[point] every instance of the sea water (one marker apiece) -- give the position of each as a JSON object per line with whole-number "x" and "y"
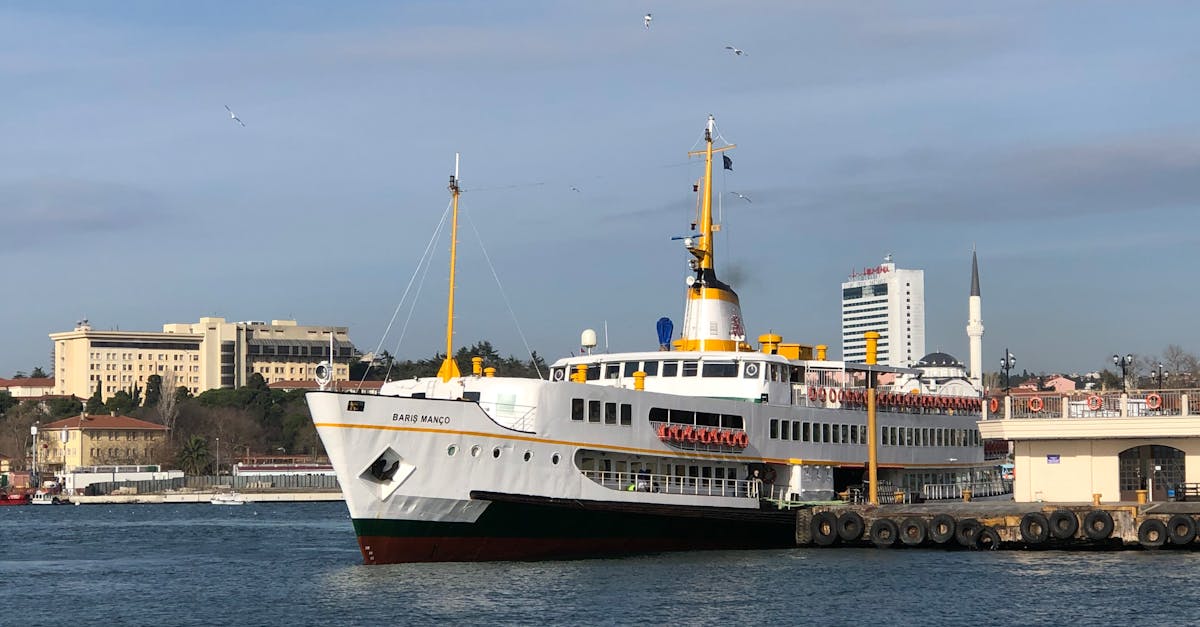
{"x": 298, "y": 564}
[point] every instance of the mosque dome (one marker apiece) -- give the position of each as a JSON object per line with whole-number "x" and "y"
{"x": 939, "y": 360}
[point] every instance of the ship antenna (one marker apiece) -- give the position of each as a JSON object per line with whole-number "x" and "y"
{"x": 703, "y": 249}
{"x": 449, "y": 368}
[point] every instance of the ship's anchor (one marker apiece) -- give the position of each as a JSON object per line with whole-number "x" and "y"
{"x": 381, "y": 471}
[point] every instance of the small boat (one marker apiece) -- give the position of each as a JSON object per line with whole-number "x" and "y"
{"x": 14, "y": 499}
{"x": 49, "y": 498}
{"x": 228, "y": 498}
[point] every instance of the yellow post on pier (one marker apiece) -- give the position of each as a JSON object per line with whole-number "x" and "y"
{"x": 872, "y": 338}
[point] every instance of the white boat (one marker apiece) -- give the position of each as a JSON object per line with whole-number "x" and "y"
{"x": 48, "y": 498}
{"x": 228, "y": 498}
{"x": 703, "y": 443}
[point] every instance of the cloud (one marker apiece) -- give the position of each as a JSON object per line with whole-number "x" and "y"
{"x": 1069, "y": 180}
{"x": 49, "y": 209}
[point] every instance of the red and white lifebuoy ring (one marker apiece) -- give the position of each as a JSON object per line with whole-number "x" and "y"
{"x": 994, "y": 405}
{"x": 1153, "y": 400}
{"x": 1036, "y": 404}
{"x": 1094, "y": 403}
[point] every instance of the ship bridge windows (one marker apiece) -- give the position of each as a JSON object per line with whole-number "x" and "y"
{"x": 650, "y": 368}
{"x": 691, "y": 368}
{"x": 670, "y": 369}
{"x": 612, "y": 371}
{"x": 719, "y": 369}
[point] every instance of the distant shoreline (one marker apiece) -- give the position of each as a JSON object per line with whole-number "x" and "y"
{"x": 205, "y": 497}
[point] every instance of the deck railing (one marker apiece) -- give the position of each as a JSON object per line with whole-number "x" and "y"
{"x": 887, "y": 400}
{"x": 1086, "y": 404}
{"x": 673, "y": 484}
{"x": 948, "y": 491}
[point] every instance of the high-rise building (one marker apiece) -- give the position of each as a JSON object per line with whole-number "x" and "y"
{"x": 891, "y": 302}
{"x": 211, "y": 353}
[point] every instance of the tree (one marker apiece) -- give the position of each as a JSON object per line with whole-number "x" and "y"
{"x": 6, "y": 401}
{"x": 153, "y": 390}
{"x": 193, "y": 455}
{"x": 167, "y": 404}
{"x": 63, "y": 406}
{"x": 121, "y": 403}
{"x": 38, "y": 373}
{"x": 95, "y": 404}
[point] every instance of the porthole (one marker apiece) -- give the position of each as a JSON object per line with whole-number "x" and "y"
{"x": 451, "y": 450}
{"x": 475, "y": 451}
{"x": 496, "y": 452}
{"x": 528, "y": 456}
{"x": 554, "y": 459}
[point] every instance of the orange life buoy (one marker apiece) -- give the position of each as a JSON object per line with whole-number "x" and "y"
{"x": 842, "y": 395}
{"x": 994, "y": 405}
{"x": 1036, "y": 404}
{"x": 812, "y": 394}
{"x": 1153, "y": 401}
{"x": 741, "y": 440}
{"x": 662, "y": 431}
{"x": 727, "y": 438}
{"x": 1094, "y": 402}
{"x": 821, "y": 394}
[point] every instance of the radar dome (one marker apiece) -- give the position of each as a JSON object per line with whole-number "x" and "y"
{"x": 587, "y": 339}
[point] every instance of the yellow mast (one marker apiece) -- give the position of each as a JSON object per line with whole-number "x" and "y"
{"x": 449, "y": 368}
{"x": 704, "y": 248}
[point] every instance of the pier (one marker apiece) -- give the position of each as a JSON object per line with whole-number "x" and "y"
{"x": 1002, "y": 525}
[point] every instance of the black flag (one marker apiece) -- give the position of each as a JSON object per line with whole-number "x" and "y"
{"x": 728, "y": 162}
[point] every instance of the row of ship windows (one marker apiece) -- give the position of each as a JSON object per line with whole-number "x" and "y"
{"x": 709, "y": 369}
{"x": 613, "y": 413}
{"x": 857, "y": 434}
{"x": 595, "y": 410}
{"x": 497, "y": 452}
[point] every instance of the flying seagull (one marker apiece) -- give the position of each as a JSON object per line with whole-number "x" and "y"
{"x": 738, "y": 51}
{"x": 233, "y": 116}
{"x": 647, "y": 20}
{"x": 743, "y": 197}
{"x": 574, "y": 189}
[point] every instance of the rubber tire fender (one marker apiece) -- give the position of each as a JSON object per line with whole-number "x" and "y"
{"x": 967, "y": 531}
{"x": 941, "y": 528}
{"x": 824, "y": 528}
{"x": 1063, "y": 524}
{"x": 1098, "y": 525}
{"x": 1181, "y": 529}
{"x": 988, "y": 539}
{"x": 912, "y": 531}
{"x": 884, "y": 533}
{"x": 1152, "y": 533}
{"x": 850, "y": 526}
{"x": 1035, "y": 528}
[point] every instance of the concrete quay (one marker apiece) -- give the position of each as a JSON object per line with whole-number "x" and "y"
{"x": 205, "y": 497}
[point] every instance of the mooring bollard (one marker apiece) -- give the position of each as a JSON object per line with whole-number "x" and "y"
{"x": 1095, "y": 498}
{"x": 966, "y": 495}
{"x": 1142, "y": 496}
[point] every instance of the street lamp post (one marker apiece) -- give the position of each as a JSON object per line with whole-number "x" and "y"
{"x": 218, "y": 469}
{"x": 1124, "y": 362}
{"x": 1006, "y": 363}
{"x": 1158, "y": 374}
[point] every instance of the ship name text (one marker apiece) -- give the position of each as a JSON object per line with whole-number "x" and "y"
{"x": 421, "y": 418}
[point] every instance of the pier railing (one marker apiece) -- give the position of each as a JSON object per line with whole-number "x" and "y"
{"x": 954, "y": 491}
{"x": 206, "y": 483}
{"x": 673, "y": 484}
{"x": 1090, "y": 405}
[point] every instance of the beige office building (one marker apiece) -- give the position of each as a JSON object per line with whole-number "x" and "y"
{"x": 87, "y": 440}
{"x": 200, "y": 356}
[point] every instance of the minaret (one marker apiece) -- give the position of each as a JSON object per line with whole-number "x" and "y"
{"x": 975, "y": 325}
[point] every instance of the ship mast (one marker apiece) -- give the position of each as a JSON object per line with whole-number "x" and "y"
{"x": 449, "y": 368}
{"x": 703, "y": 250}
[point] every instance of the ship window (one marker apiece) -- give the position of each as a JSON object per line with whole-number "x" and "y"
{"x": 475, "y": 451}
{"x": 670, "y": 368}
{"x": 862, "y": 434}
{"x": 732, "y": 421}
{"x": 683, "y": 417}
{"x": 845, "y": 434}
{"x": 577, "y": 409}
{"x": 528, "y": 455}
{"x": 836, "y": 435}
{"x": 593, "y": 411}
{"x": 650, "y": 368}
{"x": 554, "y": 459}
{"x": 806, "y": 432}
{"x": 451, "y": 450}
{"x": 496, "y": 452}
{"x": 706, "y": 419}
{"x": 775, "y": 372}
{"x": 658, "y": 414}
{"x": 593, "y": 372}
{"x": 718, "y": 369}
{"x": 825, "y": 433}
{"x": 796, "y": 429}
{"x": 626, "y": 414}
{"x": 690, "y": 368}
{"x": 612, "y": 371}
{"x": 774, "y": 428}
{"x": 854, "y": 434}
{"x": 610, "y": 413}
{"x": 883, "y": 437}
{"x": 355, "y": 405}
{"x": 785, "y": 430}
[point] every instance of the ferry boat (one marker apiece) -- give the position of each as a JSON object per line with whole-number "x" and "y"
{"x": 703, "y": 443}
{"x": 227, "y": 498}
{"x": 14, "y": 498}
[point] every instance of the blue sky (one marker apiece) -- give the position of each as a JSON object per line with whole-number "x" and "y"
{"x": 1059, "y": 139}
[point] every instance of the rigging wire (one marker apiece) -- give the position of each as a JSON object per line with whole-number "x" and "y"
{"x": 486, "y": 256}
{"x": 424, "y": 261}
